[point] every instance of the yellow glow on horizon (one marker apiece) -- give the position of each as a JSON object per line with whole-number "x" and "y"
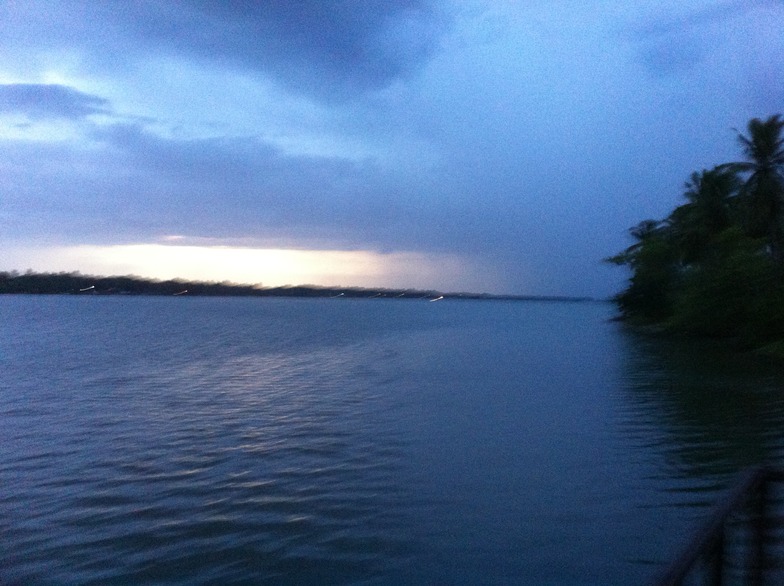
{"x": 263, "y": 266}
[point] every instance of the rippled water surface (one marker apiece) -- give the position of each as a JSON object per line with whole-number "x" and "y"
{"x": 335, "y": 441}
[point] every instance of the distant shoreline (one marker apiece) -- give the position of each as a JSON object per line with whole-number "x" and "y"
{"x": 30, "y": 283}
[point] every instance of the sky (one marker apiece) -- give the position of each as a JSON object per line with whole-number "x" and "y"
{"x": 493, "y": 146}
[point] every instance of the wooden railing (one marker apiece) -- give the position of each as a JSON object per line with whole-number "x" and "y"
{"x": 742, "y": 540}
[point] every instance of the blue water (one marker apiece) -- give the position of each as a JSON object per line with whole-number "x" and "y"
{"x": 337, "y": 441}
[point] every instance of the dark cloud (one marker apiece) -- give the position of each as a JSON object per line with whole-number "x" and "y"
{"x": 131, "y": 184}
{"x": 327, "y": 49}
{"x": 677, "y": 42}
{"x": 697, "y": 19}
{"x": 134, "y": 183}
{"x": 664, "y": 57}
{"x": 41, "y": 101}
{"x": 141, "y": 185}
{"x": 531, "y": 147}
{"x": 319, "y": 46}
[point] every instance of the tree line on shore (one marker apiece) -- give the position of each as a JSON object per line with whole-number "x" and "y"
{"x": 75, "y": 283}
{"x": 715, "y": 266}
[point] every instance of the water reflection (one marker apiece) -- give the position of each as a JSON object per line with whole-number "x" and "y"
{"x": 707, "y": 411}
{"x": 397, "y": 442}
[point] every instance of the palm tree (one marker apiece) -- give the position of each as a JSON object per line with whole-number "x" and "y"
{"x": 643, "y": 233}
{"x": 763, "y": 192}
{"x": 653, "y": 261}
{"x": 707, "y": 213}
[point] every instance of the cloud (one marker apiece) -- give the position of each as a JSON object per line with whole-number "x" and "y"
{"x": 133, "y": 184}
{"x": 331, "y": 50}
{"x": 128, "y": 180}
{"x": 326, "y": 48}
{"x": 678, "y": 39}
{"x": 524, "y": 136}
{"x": 47, "y": 101}
{"x": 696, "y": 18}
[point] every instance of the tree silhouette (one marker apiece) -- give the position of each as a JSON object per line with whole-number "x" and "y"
{"x": 653, "y": 260}
{"x": 762, "y": 194}
{"x": 713, "y": 266}
{"x": 708, "y": 212}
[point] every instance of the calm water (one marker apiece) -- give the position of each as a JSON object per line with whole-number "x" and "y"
{"x": 293, "y": 441}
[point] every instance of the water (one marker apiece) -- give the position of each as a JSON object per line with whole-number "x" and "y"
{"x": 296, "y": 441}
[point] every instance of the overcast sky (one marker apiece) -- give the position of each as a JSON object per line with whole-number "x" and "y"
{"x": 500, "y": 146}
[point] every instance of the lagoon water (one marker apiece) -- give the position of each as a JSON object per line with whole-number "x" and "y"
{"x": 337, "y": 441}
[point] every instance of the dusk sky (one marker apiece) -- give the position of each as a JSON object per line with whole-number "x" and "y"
{"x": 484, "y": 146}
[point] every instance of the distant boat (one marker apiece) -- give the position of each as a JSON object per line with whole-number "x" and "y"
{"x": 86, "y": 288}
{"x": 181, "y": 292}
{"x": 439, "y": 298}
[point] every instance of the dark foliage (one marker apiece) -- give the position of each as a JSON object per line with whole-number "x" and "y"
{"x": 715, "y": 265}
